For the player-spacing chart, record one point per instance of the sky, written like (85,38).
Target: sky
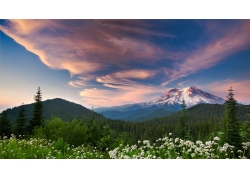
(110,62)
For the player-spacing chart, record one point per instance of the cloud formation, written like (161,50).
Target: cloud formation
(206,56)
(125,57)
(83,47)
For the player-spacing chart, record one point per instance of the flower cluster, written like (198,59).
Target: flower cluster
(176,148)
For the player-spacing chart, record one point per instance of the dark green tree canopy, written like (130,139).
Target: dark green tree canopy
(20,124)
(5,126)
(37,111)
(182,121)
(230,124)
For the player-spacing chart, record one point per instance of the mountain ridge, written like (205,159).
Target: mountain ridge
(59,107)
(169,102)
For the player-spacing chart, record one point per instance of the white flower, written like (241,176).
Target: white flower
(216,138)
(126,157)
(198,142)
(142,154)
(240,151)
(170,134)
(133,147)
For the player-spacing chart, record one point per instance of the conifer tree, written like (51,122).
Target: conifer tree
(5,126)
(20,124)
(37,111)
(182,127)
(230,124)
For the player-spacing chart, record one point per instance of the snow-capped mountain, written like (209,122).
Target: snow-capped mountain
(191,95)
(170,100)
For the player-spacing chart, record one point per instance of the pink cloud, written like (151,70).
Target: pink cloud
(241,89)
(99,97)
(83,48)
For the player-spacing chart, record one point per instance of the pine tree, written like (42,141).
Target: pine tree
(5,126)
(230,124)
(248,115)
(20,124)
(182,127)
(37,111)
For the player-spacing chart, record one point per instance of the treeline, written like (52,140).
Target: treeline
(103,133)
(23,126)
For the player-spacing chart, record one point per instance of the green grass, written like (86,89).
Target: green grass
(164,148)
(36,148)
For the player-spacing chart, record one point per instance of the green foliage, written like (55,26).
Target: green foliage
(5,126)
(248,114)
(182,126)
(230,124)
(245,131)
(20,123)
(37,148)
(37,111)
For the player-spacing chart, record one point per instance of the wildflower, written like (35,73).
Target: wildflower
(216,138)
(134,156)
(170,134)
(126,157)
(198,142)
(139,141)
(240,151)
(142,154)
(133,147)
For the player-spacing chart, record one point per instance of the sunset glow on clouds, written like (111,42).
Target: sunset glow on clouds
(115,62)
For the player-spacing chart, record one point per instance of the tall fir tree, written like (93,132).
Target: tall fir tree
(182,126)
(230,124)
(37,111)
(20,123)
(5,125)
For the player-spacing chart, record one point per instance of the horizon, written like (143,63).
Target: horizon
(114,106)
(103,63)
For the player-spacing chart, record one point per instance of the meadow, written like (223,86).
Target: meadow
(163,148)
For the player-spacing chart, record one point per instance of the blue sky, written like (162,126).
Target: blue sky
(114,62)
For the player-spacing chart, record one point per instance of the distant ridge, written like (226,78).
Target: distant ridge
(61,108)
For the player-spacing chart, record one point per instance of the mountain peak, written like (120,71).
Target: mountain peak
(191,95)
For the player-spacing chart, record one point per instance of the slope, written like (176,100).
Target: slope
(59,107)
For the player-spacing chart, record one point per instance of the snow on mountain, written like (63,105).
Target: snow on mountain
(172,98)
(191,95)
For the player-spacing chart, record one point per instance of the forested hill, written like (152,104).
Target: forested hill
(58,107)
(202,112)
